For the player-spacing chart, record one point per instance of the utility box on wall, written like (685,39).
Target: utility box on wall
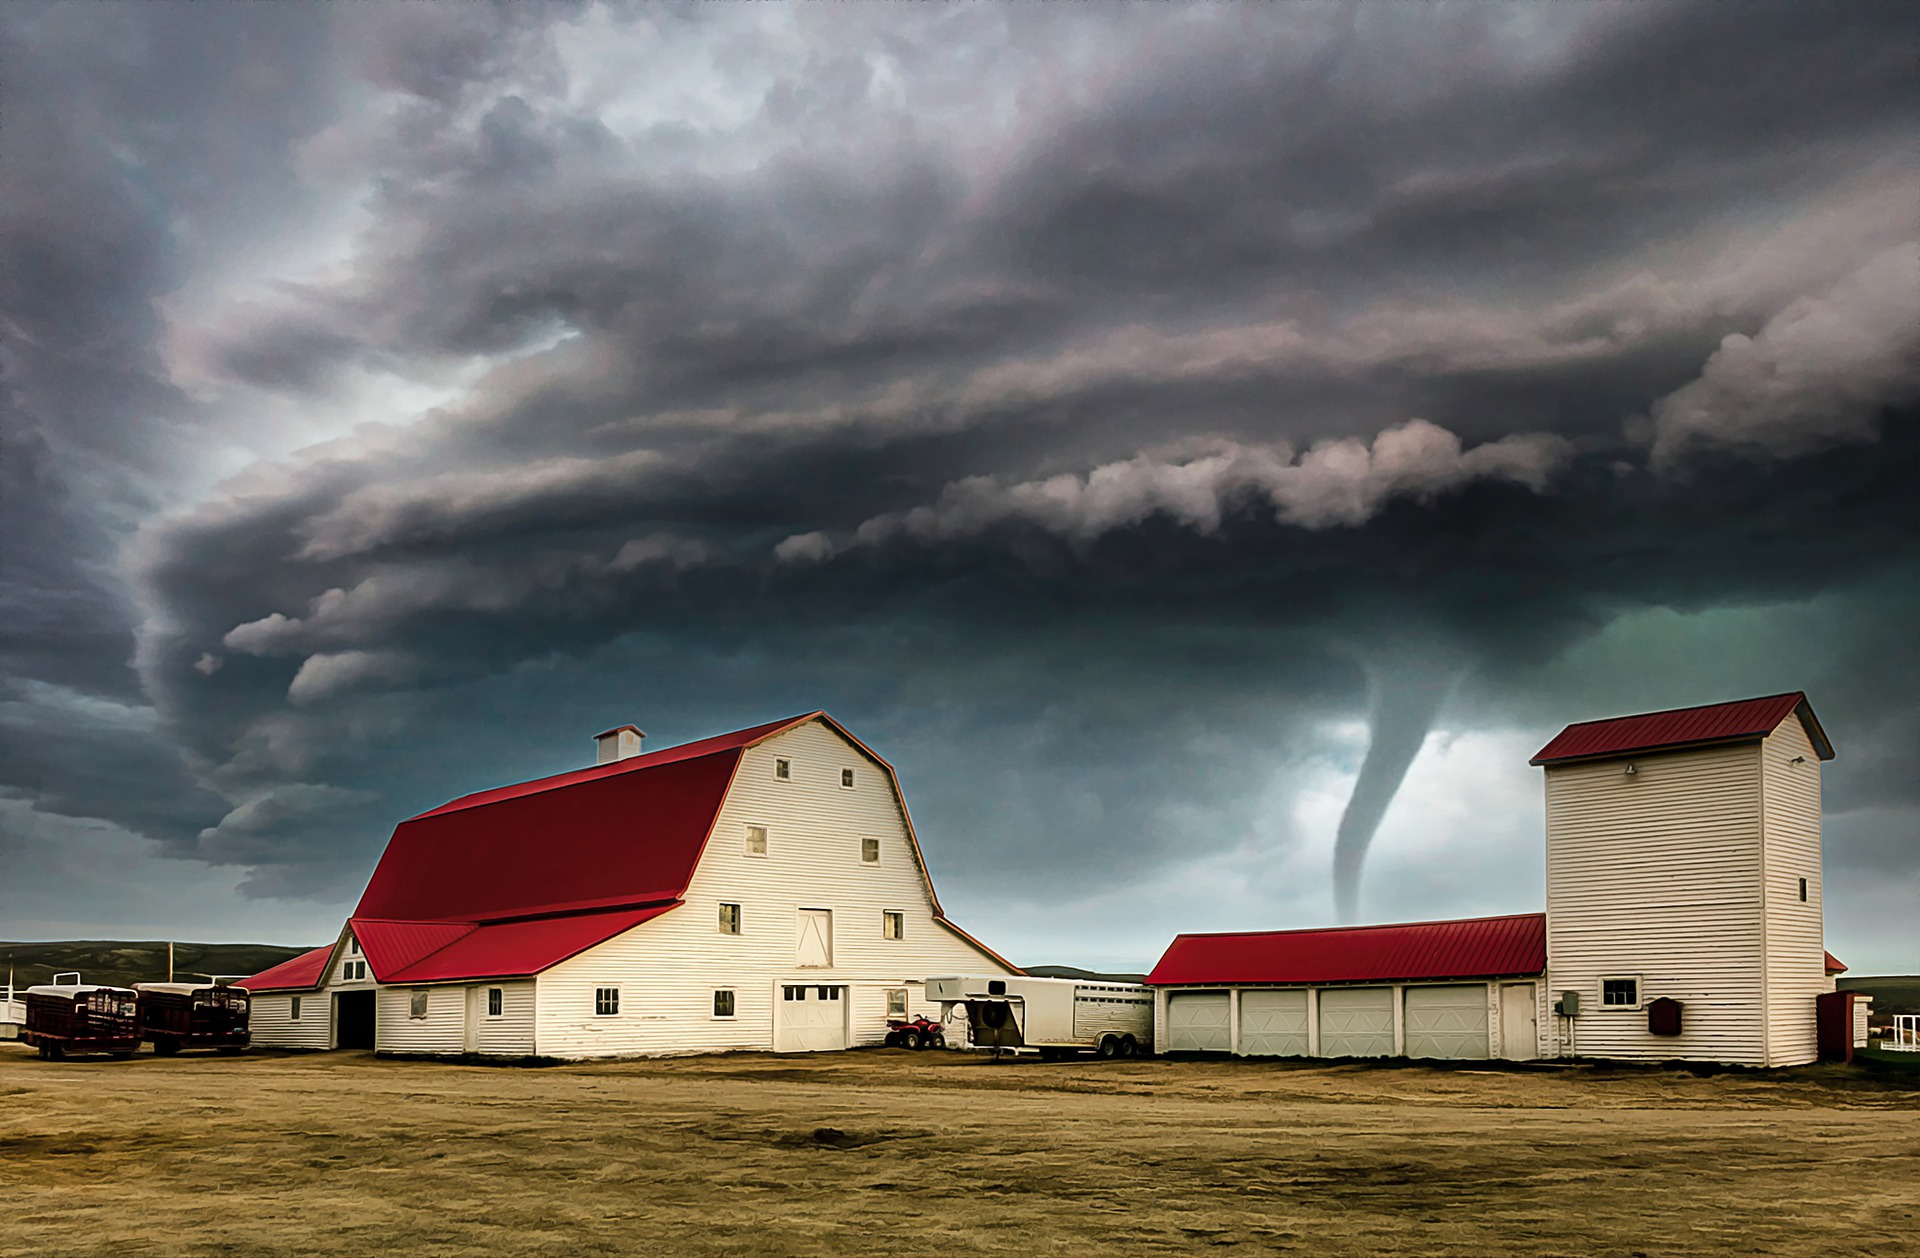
(1663,1016)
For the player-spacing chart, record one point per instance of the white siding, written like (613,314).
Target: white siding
(510,1034)
(1656,875)
(668,968)
(443,1030)
(272,1025)
(457,1020)
(1796,954)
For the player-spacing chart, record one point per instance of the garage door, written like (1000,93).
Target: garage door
(810,1019)
(1197,1023)
(1356,1022)
(1273,1024)
(1447,1021)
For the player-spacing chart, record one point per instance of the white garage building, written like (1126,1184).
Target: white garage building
(1683,920)
(758,890)
(1455,989)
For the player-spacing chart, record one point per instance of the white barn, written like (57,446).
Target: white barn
(1683,921)
(759,890)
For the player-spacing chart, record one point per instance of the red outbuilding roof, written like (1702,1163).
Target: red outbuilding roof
(1479,947)
(511,881)
(1741,721)
(301,973)
(1834,966)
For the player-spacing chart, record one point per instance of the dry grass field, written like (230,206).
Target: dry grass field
(886,1152)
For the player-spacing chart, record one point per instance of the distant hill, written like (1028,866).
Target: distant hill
(123,962)
(1892,993)
(1091,976)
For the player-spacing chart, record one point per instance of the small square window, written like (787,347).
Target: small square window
(606,1001)
(1803,891)
(783,769)
(896,1002)
(1619,993)
(723,1004)
(294,1013)
(893,925)
(495,1000)
(846,777)
(756,840)
(417,1006)
(870,851)
(793,993)
(729,919)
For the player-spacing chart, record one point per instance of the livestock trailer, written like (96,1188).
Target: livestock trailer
(67,1018)
(193,1015)
(1058,1017)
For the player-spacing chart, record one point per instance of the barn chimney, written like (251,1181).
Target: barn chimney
(617,743)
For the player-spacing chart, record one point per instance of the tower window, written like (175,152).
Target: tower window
(846,777)
(783,769)
(1803,891)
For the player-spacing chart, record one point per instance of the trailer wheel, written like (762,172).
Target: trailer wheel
(1128,1047)
(165,1046)
(46,1052)
(910,1039)
(1109,1046)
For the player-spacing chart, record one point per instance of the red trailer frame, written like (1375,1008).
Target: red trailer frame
(193,1015)
(63,1020)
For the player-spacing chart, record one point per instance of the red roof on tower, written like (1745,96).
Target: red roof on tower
(1741,721)
(1478,947)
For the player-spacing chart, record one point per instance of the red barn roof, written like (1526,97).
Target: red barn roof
(301,973)
(511,881)
(1741,721)
(1834,966)
(1480,947)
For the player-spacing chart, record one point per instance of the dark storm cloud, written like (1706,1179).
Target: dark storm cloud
(1082,403)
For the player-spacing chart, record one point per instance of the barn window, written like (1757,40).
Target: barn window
(893,925)
(793,993)
(606,1001)
(870,851)
(294,1013)
(783,769)
(846,777)
(353,946)
(1803,891)
(723,1004)
(729,919)
(756,840)
(1619,993)
(417,1008)
(896,1002)
(495,999)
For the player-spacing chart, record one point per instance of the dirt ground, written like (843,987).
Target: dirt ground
(884,1151)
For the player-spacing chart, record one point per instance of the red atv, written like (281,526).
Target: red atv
(915,1033)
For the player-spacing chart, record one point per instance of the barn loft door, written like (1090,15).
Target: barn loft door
(815,947)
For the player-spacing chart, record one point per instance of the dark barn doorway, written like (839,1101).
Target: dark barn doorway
(353,1019)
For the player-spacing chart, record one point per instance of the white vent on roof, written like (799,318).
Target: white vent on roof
(617,744)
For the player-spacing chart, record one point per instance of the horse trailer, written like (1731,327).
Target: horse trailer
(69,1018)
(193,1015)
(1057,1017)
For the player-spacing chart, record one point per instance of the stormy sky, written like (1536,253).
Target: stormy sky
(1123,417)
